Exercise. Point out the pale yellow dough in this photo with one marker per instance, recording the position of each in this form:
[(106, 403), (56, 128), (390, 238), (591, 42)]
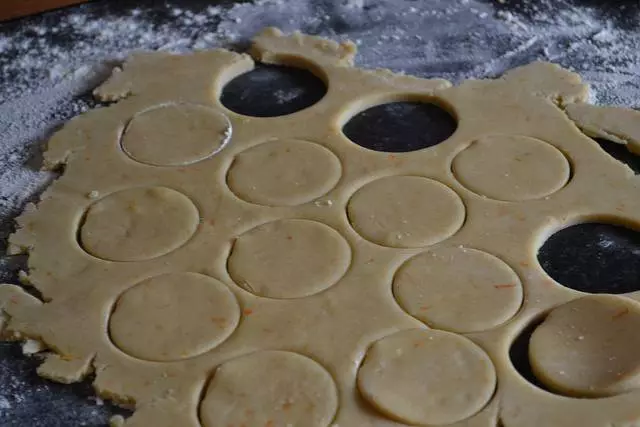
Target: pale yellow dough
[(213, 269)]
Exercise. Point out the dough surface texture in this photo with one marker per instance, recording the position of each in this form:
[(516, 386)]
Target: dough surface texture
[(213, 269)]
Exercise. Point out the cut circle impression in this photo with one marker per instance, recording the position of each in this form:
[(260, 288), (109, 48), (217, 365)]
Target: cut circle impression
[(400, 127), (272, 90), (458, 289), (290, 258), (427, 377), (406, 211), (511, 168), (270, 388), (138, 224), (589, 347), (594, 257), (173, 316), (284, 173), (175, 134)]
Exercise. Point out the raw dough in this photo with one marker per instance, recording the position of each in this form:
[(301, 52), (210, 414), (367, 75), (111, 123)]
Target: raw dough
[(138, 224), (270, 388), (458, 289), (427, 377), (284, 173), (182, 287), (143, 323), (405, 211), (507, 167), (582, 348), (175, 134)]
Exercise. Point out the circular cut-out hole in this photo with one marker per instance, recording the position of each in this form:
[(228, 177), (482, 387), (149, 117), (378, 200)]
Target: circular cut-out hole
[(284, 173), (270, 388), (511, 168), (173, 316), (594, 258), (175, 134), (588, 347), (427, 377), (290, 258), (458, 289), (138, 224), (400, 127), (272, 90), (406, 211)]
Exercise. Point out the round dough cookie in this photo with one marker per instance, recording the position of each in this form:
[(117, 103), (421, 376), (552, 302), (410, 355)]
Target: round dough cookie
[(284, 173), (138, 224), (429, 377), (173, 316), (290, 258), (270, 389), (589, 347), (406, 211), (175, 134), (458, 289), (507, 167)]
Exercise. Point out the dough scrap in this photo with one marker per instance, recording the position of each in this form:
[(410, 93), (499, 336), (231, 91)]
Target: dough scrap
[(325, 297)]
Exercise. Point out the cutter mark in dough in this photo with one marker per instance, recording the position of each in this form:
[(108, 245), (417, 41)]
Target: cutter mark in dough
[(406, 211), (175, 134), (138, 224), (270, 388), (291, 258), (458, 289), (506, 167), (173, 316), (284, 173), (427, 377)]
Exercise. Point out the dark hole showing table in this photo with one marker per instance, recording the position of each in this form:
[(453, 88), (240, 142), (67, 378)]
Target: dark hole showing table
[(272, 90), (400, 127)]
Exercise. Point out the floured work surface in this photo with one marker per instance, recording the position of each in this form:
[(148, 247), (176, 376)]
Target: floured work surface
[(215, 269)]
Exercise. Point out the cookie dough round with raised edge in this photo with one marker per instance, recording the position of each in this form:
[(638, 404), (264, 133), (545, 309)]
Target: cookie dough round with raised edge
[(290, 258), (589, 347), (458, 289), (270, 388), (427, 377), (173, 316), (284, 173), (138, 224), (175, 134), (406, 211), (508, 168)]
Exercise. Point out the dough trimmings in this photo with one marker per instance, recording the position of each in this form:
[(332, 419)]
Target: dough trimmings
[(171, 277)]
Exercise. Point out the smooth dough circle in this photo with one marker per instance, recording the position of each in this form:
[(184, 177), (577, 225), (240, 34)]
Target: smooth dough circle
[(173, 316), (406, 211), (175, 134), (270, 388), (458, 289), (138, 224), (589, 347), (427, 377), (290, 258), (507, 167), (284, 173)]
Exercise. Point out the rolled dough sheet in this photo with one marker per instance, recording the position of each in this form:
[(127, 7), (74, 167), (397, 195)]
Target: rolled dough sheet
[(213, 269)]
